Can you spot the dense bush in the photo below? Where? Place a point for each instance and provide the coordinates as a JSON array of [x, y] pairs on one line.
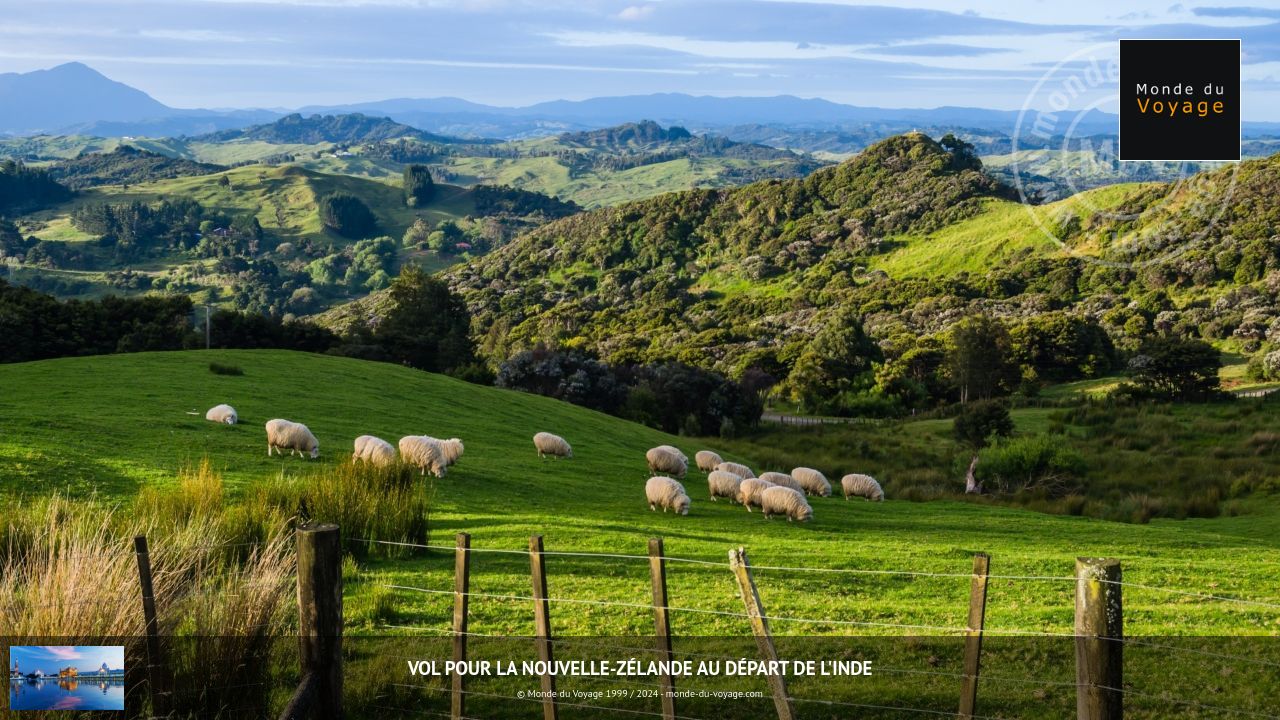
[[347, 215], [24, 189]]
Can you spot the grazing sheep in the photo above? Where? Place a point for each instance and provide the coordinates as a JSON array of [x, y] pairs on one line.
[[783, 479], [863, 486], [707, 460], [738, 469], [373, 450], [222, 414], [424, 453], [662, 459], [677, 451], [295, 437], [749, 492], [785, 501], [813, 482], [452, 450], [668, 494], [723, 484], [552, 445]]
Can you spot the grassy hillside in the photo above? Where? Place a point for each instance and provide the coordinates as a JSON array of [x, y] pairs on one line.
[[111, 425]]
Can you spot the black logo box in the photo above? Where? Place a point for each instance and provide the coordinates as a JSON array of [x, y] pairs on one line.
[[1185, 65]]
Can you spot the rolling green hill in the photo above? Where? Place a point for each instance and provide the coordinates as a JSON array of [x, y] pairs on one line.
[[110, 425]]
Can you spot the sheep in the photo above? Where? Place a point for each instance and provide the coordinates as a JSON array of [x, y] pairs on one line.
[[676, 451], [222, 414], [863, 486], [666, 493], [783, 479], [813, 482], [723, 484], [663, 459], [552, 445], [373, 450], [424, 453], [738, 469], [785, 501], [749, 491], [707, 460], [295, 437], [452, 450]]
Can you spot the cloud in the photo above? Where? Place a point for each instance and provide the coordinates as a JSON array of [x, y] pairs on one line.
[[936, 50], [1238, 11], [63, 652], [635, 12]]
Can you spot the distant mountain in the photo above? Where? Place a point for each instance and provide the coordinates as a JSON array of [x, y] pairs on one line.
[[126, 165], [348, 128], [628, 135], [67, 95], [188, 122]]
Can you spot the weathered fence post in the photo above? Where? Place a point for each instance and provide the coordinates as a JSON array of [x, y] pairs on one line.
[[319, 622], [1099, 640], [542, 627], [461, 588], [662, 624], [155, 660], [760, 627], [973, 634]]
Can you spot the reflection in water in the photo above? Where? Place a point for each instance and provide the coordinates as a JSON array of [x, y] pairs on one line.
[[66, 694]]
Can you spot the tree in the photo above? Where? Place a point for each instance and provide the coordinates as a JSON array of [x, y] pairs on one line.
[[427, 326], [347, 215], [974, 427], [418, 186], [839, 353], [1174, 368], [980, 358]]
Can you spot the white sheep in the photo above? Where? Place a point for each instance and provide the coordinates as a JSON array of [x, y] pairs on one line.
[[813, 482], [222, 414], [666, 493], [749, 491], [783, 479], [738, 469], [666, 459], [553, 445], [785, 501], [707, 460], [863, 486], [452, 450], [424, 453], [373, 450], [677, 451], [723, 484], [295, 437]]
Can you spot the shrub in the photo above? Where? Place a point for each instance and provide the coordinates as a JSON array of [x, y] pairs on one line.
[[1034, 463]]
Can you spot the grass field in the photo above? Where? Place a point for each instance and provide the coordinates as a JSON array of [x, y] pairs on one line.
[[106, 427]]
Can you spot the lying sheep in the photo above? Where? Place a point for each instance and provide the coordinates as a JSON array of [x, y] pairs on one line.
[[785, 501], [222, 414], [663, 492], [373, 450], [723, 484], [783, 479], [707, 460], [749, 491], [295, 437], [863, 486], [552, 445], [424, 453], [813, 482], [452, 450], [666, 459], [738, 469]]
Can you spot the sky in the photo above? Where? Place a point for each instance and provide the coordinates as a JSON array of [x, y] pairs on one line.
[[900, 53], [51, 658]]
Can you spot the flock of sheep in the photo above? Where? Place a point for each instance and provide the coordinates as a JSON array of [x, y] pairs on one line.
[[775, 493]]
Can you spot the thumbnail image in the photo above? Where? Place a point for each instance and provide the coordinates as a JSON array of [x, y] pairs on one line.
[[66, 677]]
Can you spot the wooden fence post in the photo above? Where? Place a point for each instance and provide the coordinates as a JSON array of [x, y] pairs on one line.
[[320, 617], [760, 627], [973, 634], [461, 586], [1099, 640], [662, 624], [542, 626], [160, 693]]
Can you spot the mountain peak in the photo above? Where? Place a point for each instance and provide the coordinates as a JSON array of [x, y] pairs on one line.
[[70, 94]]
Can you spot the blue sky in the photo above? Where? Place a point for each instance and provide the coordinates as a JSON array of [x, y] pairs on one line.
[[52, 658], [908, 53]]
